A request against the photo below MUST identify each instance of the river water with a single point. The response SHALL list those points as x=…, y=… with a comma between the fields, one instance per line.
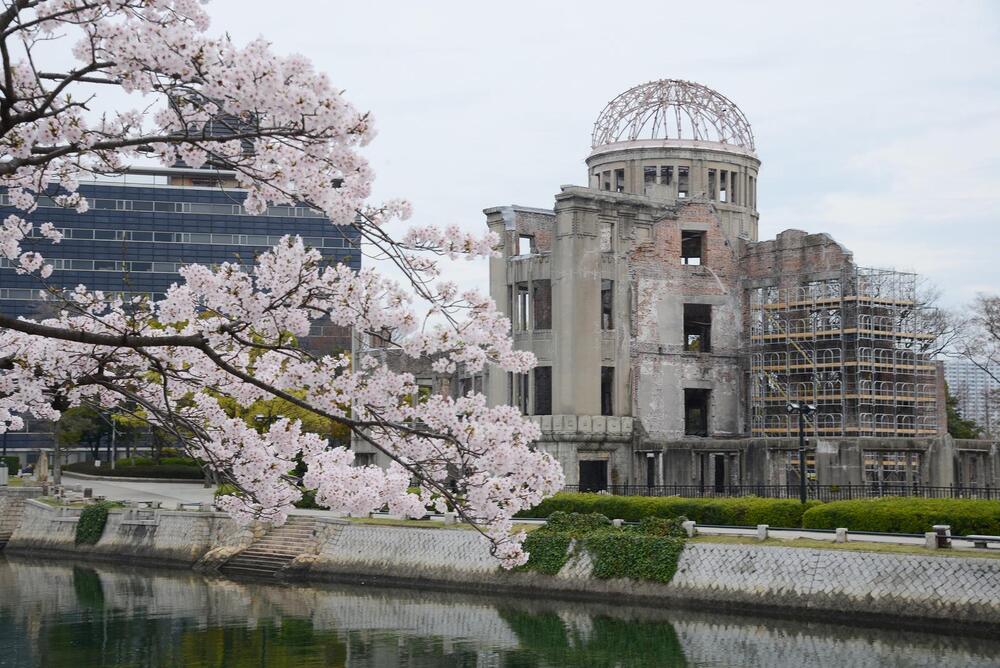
x=60, y=614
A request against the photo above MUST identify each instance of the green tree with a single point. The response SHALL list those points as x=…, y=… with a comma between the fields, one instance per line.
x=958, y=426
x=82, y=425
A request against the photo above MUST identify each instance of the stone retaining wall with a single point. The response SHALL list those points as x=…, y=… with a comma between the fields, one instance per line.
x=945, y=590
x=159, y=535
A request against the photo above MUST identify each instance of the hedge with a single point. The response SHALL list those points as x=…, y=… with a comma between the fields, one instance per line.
x=647, y=552
x=907, y=515
x=139, y=471
x=743, y=511
x=13, y=464
x=91, y=523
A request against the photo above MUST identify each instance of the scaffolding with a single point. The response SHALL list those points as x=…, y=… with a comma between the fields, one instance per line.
x=855, y=346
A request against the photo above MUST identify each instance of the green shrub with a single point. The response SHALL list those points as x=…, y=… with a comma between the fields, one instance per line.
x=743, y=511
x=649, y=551
x=179, y=461
x=907, y=515
x=308, y=501
x=13, y=464
x=135, y=461
x=224, y=489
x=91, y=523
x=138, y=471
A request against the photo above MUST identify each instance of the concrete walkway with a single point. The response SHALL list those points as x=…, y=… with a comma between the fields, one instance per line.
x=171, y=492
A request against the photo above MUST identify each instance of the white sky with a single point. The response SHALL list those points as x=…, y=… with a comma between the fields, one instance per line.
x=876, y=122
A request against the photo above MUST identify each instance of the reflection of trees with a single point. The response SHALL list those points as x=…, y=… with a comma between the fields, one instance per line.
x=87, y=584
x=608, y=642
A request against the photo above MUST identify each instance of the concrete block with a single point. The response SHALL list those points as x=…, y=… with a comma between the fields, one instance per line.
x=546, y=423
x=617, y=523
x=626, y=425
x=584, y=424
x=614, y=425
x=841, y=536
x=930, y=540
x=599, y=424
x=450, y=518
x=569, y=423
x=691, y=527
x=762, y=531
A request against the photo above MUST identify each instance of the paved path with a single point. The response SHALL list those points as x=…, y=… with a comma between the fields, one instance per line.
x=172, y=492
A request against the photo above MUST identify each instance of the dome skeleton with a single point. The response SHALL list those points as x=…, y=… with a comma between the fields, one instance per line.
x=649, y=110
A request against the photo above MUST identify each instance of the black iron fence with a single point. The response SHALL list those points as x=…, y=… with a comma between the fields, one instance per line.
x=820, y=492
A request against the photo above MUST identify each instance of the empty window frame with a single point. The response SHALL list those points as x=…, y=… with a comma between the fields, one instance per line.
x=541, y=304
x=525, y=244
x=696, y=403
x=606, y=180
x=667, y=176
x=682, y=181
x=697, y=328
x=518, y=395
x=364, y=459
x=723, y=186
x=607, y=304
x=521, y=306
x=543, y=390
x=711, y=184
x=649, y=175
x=692, y=247
x=619, y=180
x=607, y=390
x=733, y=179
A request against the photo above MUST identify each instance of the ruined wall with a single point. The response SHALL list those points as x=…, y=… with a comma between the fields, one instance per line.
x=783, y=260
x=661, y=285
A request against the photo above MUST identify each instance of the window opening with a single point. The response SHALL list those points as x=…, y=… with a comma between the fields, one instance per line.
x=525, y=244
x=543, y=390
x=620, y=180
x=521, y=307
x=593, y=476
x=667, y=176
x=649, y=175
x=607, y=304
x=696, y=412
x=607, y=390
x=682, y=182
x=723, y=186
x=606, y=180
x=711, y=184
x=692, y=247
x=697, y=327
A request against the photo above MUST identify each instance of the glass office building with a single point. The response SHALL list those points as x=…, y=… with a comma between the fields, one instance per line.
x=143, y=226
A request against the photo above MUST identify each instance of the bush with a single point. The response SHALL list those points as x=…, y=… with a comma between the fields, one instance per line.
x=647, y=552
x=91, y=523
x=178, y=461
x=907, y=515
x=743, y=511
x=13, y=464
x=135, y=461
x=138, y=471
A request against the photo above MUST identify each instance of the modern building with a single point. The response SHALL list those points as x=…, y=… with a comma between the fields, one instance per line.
x=142, y=227
x=977, y=393
x=671, y=339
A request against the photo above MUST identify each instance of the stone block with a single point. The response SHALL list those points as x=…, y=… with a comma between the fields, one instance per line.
x=691, y=527
x=584, y=424
x=614, y=425
x=569, y=424
x=546, y=423
x=599, y=424
x=762, y=532
x=626, y=425
x=841, y=536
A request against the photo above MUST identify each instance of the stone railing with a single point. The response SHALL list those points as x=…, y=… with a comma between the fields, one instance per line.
x=584, y=427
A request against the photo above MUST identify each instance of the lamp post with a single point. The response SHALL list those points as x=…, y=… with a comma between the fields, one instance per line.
x=802, y=409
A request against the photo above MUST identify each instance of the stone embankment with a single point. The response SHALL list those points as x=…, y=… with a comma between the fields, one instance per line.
x=822, y=583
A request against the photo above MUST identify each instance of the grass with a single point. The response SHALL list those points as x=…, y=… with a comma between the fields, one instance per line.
x=857, y=546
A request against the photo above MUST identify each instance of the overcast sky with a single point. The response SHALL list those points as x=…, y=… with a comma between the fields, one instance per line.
x=876, y=122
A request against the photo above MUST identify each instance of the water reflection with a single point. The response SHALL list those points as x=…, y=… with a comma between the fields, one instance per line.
x=60, y=614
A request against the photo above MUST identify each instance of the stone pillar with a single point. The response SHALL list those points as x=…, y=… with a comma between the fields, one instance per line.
x=576, y=297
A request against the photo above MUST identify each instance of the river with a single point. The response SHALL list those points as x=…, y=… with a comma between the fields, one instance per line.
x=59, y=614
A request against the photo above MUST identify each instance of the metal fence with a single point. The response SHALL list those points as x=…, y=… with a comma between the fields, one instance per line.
x=819, y=492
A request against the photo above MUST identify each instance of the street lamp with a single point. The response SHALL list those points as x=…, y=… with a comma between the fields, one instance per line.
x=803, y=410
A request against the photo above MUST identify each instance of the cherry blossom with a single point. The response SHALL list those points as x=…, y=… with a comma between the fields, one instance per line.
x=226, y=334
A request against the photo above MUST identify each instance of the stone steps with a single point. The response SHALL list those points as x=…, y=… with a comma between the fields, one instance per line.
x=267, y=556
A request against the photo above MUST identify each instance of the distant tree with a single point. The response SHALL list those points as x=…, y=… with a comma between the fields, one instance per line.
x=959, y=427
x=979, y=338
x=82, y=425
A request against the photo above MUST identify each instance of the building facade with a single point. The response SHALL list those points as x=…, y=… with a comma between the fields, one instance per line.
x=977, y=393
x=142, y=227
x=670, y=339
